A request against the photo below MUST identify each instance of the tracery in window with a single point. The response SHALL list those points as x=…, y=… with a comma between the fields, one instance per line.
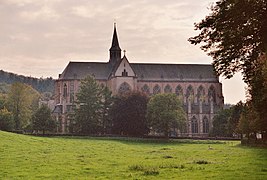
x=200, y=93
x=124, y=88
x=212, y=94
x=205, y=125
x=194, y=125
x=156, y=89
x=145, y=89
x=168, y=89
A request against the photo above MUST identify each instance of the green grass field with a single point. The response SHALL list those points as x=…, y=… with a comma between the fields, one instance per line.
x=27, y=157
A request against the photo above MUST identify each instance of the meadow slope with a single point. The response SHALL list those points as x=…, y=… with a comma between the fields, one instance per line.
x=28, y=157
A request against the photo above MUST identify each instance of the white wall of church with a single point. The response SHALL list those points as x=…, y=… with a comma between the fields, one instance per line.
x=124, y=67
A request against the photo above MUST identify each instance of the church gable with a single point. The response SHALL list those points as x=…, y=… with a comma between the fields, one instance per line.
x=124, y=68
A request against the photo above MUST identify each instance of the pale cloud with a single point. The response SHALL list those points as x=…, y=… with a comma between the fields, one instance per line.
x=45, y=13
x=40, y=37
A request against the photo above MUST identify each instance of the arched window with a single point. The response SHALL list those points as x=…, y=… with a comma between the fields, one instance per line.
x=124, y=88
x=194, y=125
x=168, y=89
x=190, y=93
x=71, y=91
x=179, y=91
x=200, y=94
x=145, y=89
x=65, y=90
x=212, y=94
x=205, y=125
x=156, y=89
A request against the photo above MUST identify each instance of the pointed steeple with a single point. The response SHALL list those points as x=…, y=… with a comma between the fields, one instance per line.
x=115, y=50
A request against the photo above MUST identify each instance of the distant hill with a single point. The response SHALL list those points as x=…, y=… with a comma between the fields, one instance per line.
x=40, y=84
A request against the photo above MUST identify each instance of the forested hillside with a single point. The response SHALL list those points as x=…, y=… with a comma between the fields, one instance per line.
x=40, y=84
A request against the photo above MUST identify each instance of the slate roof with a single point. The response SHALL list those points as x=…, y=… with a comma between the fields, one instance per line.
x=144, y=72
x=174, y=72
x=79, y=70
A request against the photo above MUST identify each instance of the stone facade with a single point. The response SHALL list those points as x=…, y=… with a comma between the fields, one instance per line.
x=196, y=85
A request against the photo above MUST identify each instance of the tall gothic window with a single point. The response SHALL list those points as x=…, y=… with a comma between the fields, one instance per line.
x=156, y=89
x=205, y=125
x=200, y=94
x=179, y=91
x=168, y=89
x=72, y=91
x=194, y=125
x=190, y=93
x=145, y=89
x=65, y=90
x=124, y=88
x=212, y=94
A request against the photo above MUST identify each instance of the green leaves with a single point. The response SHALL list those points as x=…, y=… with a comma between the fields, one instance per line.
x=93, y=102
x=42, y=120
x=164, y=112
x=233, y=35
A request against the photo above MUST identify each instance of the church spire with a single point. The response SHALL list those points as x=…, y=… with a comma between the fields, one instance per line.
x=115, y=50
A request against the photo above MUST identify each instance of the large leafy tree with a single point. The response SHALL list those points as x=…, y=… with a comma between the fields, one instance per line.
x=165, y=112
x=234, y=35
x=93, y=103
x=42, y=120
x=129, y=114
x=233, y=120
x=22, y=101
x=220, y=124
x=6, y=120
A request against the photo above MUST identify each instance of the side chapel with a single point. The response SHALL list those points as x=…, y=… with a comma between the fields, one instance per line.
x=196, y=85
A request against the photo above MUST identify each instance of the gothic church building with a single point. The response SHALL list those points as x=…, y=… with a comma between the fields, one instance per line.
x=196, y=85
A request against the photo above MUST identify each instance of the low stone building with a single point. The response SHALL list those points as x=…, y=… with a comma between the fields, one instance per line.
x=196, y=85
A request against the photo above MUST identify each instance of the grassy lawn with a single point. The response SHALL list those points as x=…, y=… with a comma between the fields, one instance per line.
x=27, y=157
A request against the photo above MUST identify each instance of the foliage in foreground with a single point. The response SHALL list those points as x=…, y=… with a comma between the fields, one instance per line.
x=93, y=103
x=234, y=35
x=42, y=120
x=128, y=114
x=165, y=112
x=6, y=120
x=26, y=157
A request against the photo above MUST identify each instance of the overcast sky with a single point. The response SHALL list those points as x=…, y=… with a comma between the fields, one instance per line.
x=39, y=37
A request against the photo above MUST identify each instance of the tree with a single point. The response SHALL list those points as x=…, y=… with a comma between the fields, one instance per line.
x=234, y=35
x=22, y=101
x=3, y=99
x=89, y=101
x=248, y=121
x=106, y=104
x=6, y=120
x=233, y=120
x=42, y=120
x=129, y=114
x=220, y=123
x=164, y=111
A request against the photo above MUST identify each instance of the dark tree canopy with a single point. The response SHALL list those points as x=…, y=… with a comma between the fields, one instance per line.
x=129, y=114
x=234, y=35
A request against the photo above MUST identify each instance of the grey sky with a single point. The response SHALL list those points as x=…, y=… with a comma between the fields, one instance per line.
x=39, y=37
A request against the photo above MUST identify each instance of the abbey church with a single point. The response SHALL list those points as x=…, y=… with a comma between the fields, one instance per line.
x=195, y=84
